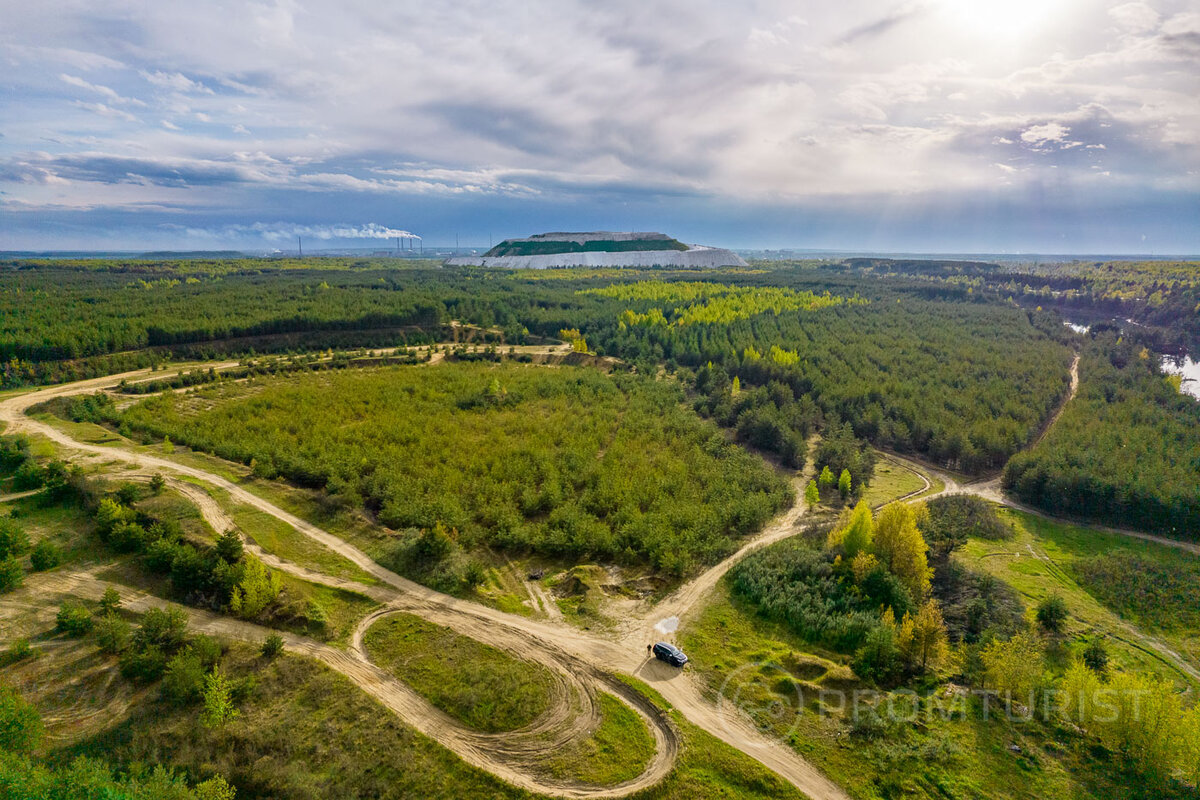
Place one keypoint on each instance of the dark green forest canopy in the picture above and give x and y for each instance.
(928, 370)
(1126, 451)
(560, 461)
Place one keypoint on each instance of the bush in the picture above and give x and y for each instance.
(1095, 656)
(19, 650)
(1052, 613)
(207, 649)
(183, 677)
(45, 556)
(144, 664)
(165, 629)
(12, 575)
(20, 724)
(113, 633)
(272, 646)
(111, 601)
(13, 540)
(878, 660)
(74, 619)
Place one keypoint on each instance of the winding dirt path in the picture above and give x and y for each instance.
(589, 658)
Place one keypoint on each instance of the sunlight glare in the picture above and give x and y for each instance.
(998, 18)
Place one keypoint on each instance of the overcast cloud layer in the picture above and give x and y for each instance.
(959, 125)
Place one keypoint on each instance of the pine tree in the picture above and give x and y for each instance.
(812, 496)
(844, 484)
(826, 477)
(218, 700)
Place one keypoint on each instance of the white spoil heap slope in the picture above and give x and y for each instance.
(696, 256)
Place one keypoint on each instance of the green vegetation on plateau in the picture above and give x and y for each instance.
(477, 684)
(543, 247)
(566, 462)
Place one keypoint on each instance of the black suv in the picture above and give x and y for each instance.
(670, 654)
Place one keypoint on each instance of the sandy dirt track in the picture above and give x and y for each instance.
(589, 658)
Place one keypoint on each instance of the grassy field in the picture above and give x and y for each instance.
(276, 536)
(1045, 557)
(479, 685)
(341, 610)
(777, 678)
(617, 750)
(891, 481)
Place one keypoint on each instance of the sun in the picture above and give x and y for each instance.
(998, 18)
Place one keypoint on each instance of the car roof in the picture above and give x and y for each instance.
(669, 646)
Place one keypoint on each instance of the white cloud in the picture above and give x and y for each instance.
(105, 110)
(1042, 135)
(1135, 17)
(176, 82)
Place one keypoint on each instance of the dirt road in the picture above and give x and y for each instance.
(588, 657)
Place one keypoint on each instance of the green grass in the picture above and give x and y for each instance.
(617, 750)
(775, 676)
(481, 686)
(1064, 547)
(342, 609)
(67, 526)
(277, 537)
(891, 481)
(170, 505)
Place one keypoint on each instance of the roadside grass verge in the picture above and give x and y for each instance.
(617, 750)
(481, 686)
(277, 537)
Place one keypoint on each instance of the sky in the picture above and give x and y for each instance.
(1051, 126)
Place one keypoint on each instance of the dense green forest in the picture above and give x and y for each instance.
(565, 461)
(1162, 295)
(928, 370)
(963, 384)
(1126, 451)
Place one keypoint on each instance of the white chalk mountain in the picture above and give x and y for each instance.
(600, 249)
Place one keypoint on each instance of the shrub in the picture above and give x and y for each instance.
(113, 633)
(20, 724)
(13, 540)
(1052, 613)
(144, 664)
(272, 646)
(11, 574)
(183, 677)
(1095, 656)
(207, 649)
(165, 629)
(19, 650)
(878, 660)
(111, 601)
(45, 556)
(74, 619)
